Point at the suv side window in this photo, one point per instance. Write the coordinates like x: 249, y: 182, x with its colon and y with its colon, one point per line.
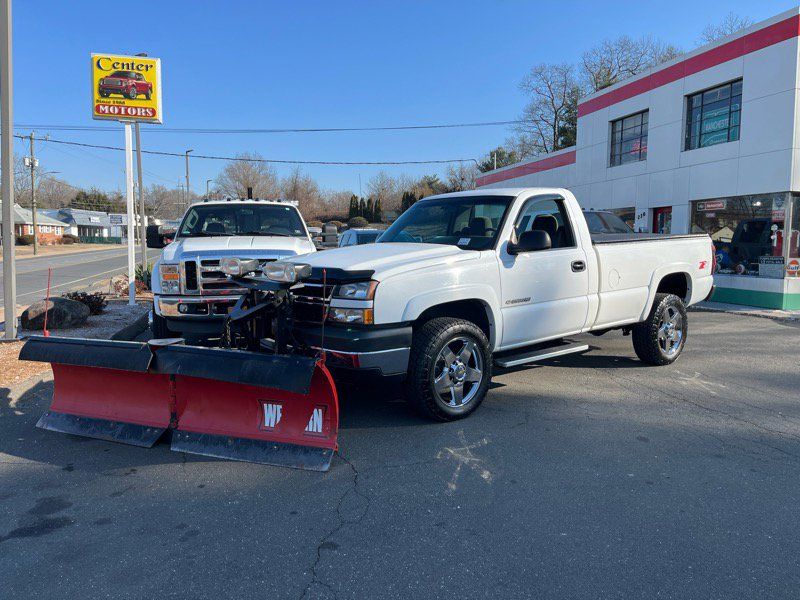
x: 549, y: 215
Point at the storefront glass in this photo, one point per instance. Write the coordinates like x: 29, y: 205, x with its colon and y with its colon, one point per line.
x: 747, y: 232
x: 793, y: 263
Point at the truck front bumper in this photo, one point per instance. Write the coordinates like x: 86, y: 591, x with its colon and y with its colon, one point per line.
x: 199, y: 315
x: 382, y: 350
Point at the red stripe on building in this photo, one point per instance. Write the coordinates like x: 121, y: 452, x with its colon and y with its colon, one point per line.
x: 758, y: 40
x: 551, y: 162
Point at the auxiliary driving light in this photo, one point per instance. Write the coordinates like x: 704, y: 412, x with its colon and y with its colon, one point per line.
x: 236, y: 267
x: 286, y: 272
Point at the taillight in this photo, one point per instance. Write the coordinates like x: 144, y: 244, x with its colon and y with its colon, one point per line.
x: 713, y: 259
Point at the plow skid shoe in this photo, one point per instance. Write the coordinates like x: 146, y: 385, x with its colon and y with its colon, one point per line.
x: 260, y: 423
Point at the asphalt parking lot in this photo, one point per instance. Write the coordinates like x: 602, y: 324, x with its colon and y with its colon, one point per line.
x: 588, y: 477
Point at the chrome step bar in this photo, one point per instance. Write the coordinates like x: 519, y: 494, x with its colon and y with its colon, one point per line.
x: 540, y: 352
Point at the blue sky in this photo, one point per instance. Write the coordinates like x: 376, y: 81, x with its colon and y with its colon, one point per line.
x: 237, y: 64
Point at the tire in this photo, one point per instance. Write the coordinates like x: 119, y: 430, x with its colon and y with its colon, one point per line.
x: 159, y: 328
x: 148, y: 94
x: 132, y: 93
x: 660, y: 339
x: 442, y: 387
x: 104, y: 94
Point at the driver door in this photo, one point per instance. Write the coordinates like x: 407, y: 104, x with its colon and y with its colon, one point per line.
x: 544, y: 293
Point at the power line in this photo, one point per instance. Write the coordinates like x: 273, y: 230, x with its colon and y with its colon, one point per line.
x: 262, y: 160
x: 199, y: 130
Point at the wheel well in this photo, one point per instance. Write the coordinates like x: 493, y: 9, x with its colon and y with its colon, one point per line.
x: 469, y: 310
x: 675, y: 283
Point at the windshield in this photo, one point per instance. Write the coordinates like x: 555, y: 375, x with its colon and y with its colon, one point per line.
x: 469, y: 222
x: 366, y: 238
x: 123, y: 74
x: 605, y: 222
x: 242, y: 219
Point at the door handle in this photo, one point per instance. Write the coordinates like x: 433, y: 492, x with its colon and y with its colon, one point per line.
x: 578, y: 266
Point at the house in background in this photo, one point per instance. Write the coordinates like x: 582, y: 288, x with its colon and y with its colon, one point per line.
x: 50, y: 230
x: 90, y: 226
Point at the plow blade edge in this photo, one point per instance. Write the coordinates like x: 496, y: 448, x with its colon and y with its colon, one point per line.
x: 271, y: 409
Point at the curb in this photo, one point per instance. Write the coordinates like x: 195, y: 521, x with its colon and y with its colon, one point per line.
x: 765, y: 314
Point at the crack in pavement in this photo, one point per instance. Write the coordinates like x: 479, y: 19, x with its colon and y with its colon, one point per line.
x: 343, y: 521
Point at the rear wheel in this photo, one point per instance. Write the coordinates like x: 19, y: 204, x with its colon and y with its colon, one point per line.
x: 660, y: 339
x: 148, y: 94
x: 449, y: 369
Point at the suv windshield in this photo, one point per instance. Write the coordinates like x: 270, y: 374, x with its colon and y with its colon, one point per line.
x: 123, y: 74
x: 469, y: 222
x: 242, y: 219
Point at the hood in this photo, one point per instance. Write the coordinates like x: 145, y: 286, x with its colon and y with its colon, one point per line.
x: 388, y: 258
x: 258, y: 246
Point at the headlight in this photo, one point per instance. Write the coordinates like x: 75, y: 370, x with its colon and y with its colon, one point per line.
x: 170, y: 279
x: 363, y: 290
x: 238, y: 267
x: 364, y: 316
x: 286, y: 272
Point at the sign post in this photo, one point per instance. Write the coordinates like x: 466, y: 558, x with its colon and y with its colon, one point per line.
x: 7, y: 167
x: 128, y: 89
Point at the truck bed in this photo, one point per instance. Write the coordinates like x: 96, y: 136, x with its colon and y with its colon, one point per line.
x: 627, y: 238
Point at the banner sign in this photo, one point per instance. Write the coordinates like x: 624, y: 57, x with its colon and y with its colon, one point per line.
x: 126, y: 88
x: 712, y: 205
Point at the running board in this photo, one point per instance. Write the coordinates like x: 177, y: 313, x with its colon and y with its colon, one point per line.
x: 540, y: 352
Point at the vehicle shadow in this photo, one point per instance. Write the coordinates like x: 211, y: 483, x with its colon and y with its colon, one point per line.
x: 583, y: 360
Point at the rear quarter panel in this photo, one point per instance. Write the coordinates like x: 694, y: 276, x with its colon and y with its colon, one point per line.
x: 629, y: 274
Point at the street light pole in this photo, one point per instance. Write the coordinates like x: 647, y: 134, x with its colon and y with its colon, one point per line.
x: 188, y: 188
x: 32, y: 160
x: 7, y: 166
x: 208, y: 181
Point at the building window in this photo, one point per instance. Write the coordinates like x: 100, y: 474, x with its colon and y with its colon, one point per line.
x: 713, y: 116
x: 747, y: 231
x: 629, y: 139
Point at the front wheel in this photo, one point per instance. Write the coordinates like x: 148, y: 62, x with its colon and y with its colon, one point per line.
x: 132, y: 93
x: 660, y: 339
x: 449, y: 369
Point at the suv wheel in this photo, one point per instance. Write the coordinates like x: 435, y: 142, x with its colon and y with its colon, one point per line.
x: 132, y: 93
x: 148, y: 94
x: 660, y: 339
x: 449, y: 369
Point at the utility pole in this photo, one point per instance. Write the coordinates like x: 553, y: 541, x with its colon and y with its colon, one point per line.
x: 494, y: 157
x: 7, y: 166
x: 142, y: 225
x: 208, y: 181
x: 188, y: 188
x: 33, y: 163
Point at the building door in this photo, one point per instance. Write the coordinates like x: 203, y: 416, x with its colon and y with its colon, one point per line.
x: 662, y: 219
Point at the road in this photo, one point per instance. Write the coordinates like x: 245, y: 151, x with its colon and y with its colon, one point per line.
x: 70, y: 271
x: 587, y: 477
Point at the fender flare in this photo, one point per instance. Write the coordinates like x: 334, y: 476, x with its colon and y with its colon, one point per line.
x: 681, y: 268
x: 458, y: 293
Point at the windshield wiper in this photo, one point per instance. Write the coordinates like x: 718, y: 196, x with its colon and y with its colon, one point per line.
x: 206, y: 234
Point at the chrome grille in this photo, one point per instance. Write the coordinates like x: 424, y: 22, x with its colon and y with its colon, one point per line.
x: 311, y: 301
x: 208, y: 279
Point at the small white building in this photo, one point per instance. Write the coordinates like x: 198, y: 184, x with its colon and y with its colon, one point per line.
x: 706, y: 142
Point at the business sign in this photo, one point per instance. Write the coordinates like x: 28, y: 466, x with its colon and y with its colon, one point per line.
x: 115, y: 219
x: 126, y: 88
x: 712, y: 205
x: 771, y: 266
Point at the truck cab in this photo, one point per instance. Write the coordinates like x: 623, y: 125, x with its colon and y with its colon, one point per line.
x: 191, y: 294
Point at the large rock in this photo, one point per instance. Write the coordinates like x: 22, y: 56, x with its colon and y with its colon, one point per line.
x: 61, y: 313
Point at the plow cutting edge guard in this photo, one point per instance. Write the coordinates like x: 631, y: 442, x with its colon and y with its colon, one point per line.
x: 265, y: 408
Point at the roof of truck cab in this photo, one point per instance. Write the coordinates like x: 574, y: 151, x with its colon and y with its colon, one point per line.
x: 229, y: 201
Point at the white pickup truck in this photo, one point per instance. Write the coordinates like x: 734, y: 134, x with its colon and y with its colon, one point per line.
x: 191, y: 295
x: 464, y: 281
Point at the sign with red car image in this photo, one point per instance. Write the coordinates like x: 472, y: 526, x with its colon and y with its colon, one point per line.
x: 126, y: 88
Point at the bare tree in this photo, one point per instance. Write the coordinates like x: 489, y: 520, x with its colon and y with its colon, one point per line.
x: 248, y: 171
x: 730, y: 24
x: 612, y: 61
x: 304, y: 190
x: 462, y: 176
x: 389, y: 190
x: 163, y: 202
x: 552, y: 92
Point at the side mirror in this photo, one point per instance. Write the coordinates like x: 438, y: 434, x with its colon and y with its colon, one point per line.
x: 154, y: 237
x: 530, y: 241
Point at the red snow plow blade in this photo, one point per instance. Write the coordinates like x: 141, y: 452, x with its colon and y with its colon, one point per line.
x: 265, y: 408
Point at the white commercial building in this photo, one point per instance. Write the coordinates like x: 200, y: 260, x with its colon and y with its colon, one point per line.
x: 706, y: 142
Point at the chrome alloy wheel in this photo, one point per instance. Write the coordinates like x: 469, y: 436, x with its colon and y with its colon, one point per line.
x: 670, y: 331
x: 458, y: 372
